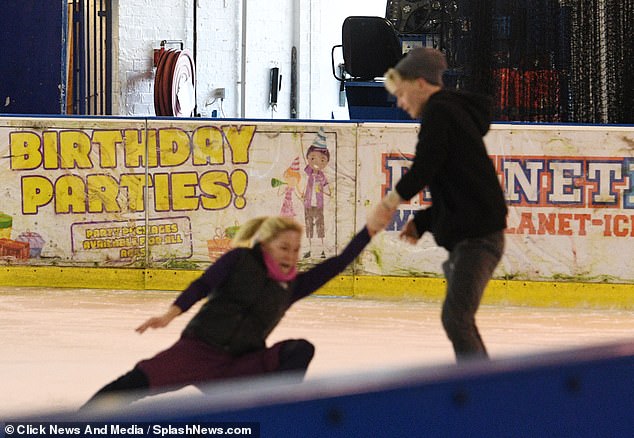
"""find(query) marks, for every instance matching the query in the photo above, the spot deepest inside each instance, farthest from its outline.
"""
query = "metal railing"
(91, 57)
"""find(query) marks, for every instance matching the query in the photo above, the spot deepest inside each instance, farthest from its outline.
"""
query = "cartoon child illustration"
(317, 158)
(291, 180)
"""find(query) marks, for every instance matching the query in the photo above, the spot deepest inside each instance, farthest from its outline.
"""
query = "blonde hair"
(291, 173)
(264, 229)
(392, 80)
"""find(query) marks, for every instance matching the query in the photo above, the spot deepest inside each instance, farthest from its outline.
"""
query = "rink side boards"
(582, 393)
(504, 292)
(548, 261)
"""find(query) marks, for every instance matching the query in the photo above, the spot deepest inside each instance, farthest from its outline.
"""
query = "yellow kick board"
(503, 292)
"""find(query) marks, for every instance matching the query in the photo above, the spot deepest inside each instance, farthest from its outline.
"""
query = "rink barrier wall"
(148, 203)
(500, 292)
(572, 393)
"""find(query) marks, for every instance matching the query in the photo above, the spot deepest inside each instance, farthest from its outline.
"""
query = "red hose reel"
(174, 83)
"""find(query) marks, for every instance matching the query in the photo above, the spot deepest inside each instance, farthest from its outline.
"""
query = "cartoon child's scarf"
(313, 174)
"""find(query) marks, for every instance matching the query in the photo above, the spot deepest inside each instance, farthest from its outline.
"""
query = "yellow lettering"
(107, 141)
(161, 192)
(37, 191)
(135, 185)
(215, 188)
(184, 191)
(75, 148)
(50, 150)
(25, 150)
(70, 195)
(134, 140)
(103, 191)
(174, 147)
(208, 142)
(239, 139)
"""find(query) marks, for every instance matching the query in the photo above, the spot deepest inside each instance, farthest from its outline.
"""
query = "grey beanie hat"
(423, 62)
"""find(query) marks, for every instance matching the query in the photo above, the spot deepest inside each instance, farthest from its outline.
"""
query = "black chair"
(370, 45)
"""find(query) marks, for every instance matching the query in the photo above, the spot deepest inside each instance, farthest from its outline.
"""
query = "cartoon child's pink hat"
(295, 164)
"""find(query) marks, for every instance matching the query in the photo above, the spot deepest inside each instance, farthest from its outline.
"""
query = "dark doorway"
(33, 64)
(90, 57)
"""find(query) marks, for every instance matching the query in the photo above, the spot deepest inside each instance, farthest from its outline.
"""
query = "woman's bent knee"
(296, 354)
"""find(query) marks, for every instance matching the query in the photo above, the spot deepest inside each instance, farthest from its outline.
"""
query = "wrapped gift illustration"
(14, 249)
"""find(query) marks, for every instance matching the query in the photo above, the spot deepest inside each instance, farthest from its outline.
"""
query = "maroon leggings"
(192, 362)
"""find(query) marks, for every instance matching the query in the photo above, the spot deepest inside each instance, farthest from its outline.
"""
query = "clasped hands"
(381, 215)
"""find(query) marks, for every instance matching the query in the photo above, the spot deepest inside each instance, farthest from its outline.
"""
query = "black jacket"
(244, 310)
(467, 199)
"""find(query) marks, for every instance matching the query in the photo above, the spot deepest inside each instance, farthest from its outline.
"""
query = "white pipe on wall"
(243, 61)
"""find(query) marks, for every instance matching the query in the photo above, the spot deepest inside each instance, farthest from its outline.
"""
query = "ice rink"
(60, 345)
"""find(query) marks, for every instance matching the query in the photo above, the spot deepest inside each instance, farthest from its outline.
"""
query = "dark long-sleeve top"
(451, 159)
(304, 284)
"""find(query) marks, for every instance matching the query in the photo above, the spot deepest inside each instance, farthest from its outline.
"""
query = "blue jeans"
(468, 270)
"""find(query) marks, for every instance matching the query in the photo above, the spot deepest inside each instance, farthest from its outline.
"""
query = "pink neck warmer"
(274, 270)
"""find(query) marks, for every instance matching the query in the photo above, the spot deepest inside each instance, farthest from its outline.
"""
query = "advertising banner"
(156, 193)
(161, 193)
(570, 193)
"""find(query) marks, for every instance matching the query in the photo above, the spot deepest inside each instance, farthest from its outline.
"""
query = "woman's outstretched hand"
(160, 321)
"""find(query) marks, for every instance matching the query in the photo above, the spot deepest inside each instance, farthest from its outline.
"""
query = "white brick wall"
(142, 24)
(273, 27)
(269, 43)
(218, 55)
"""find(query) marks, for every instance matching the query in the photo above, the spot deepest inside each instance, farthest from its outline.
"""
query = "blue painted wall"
(33, 52)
